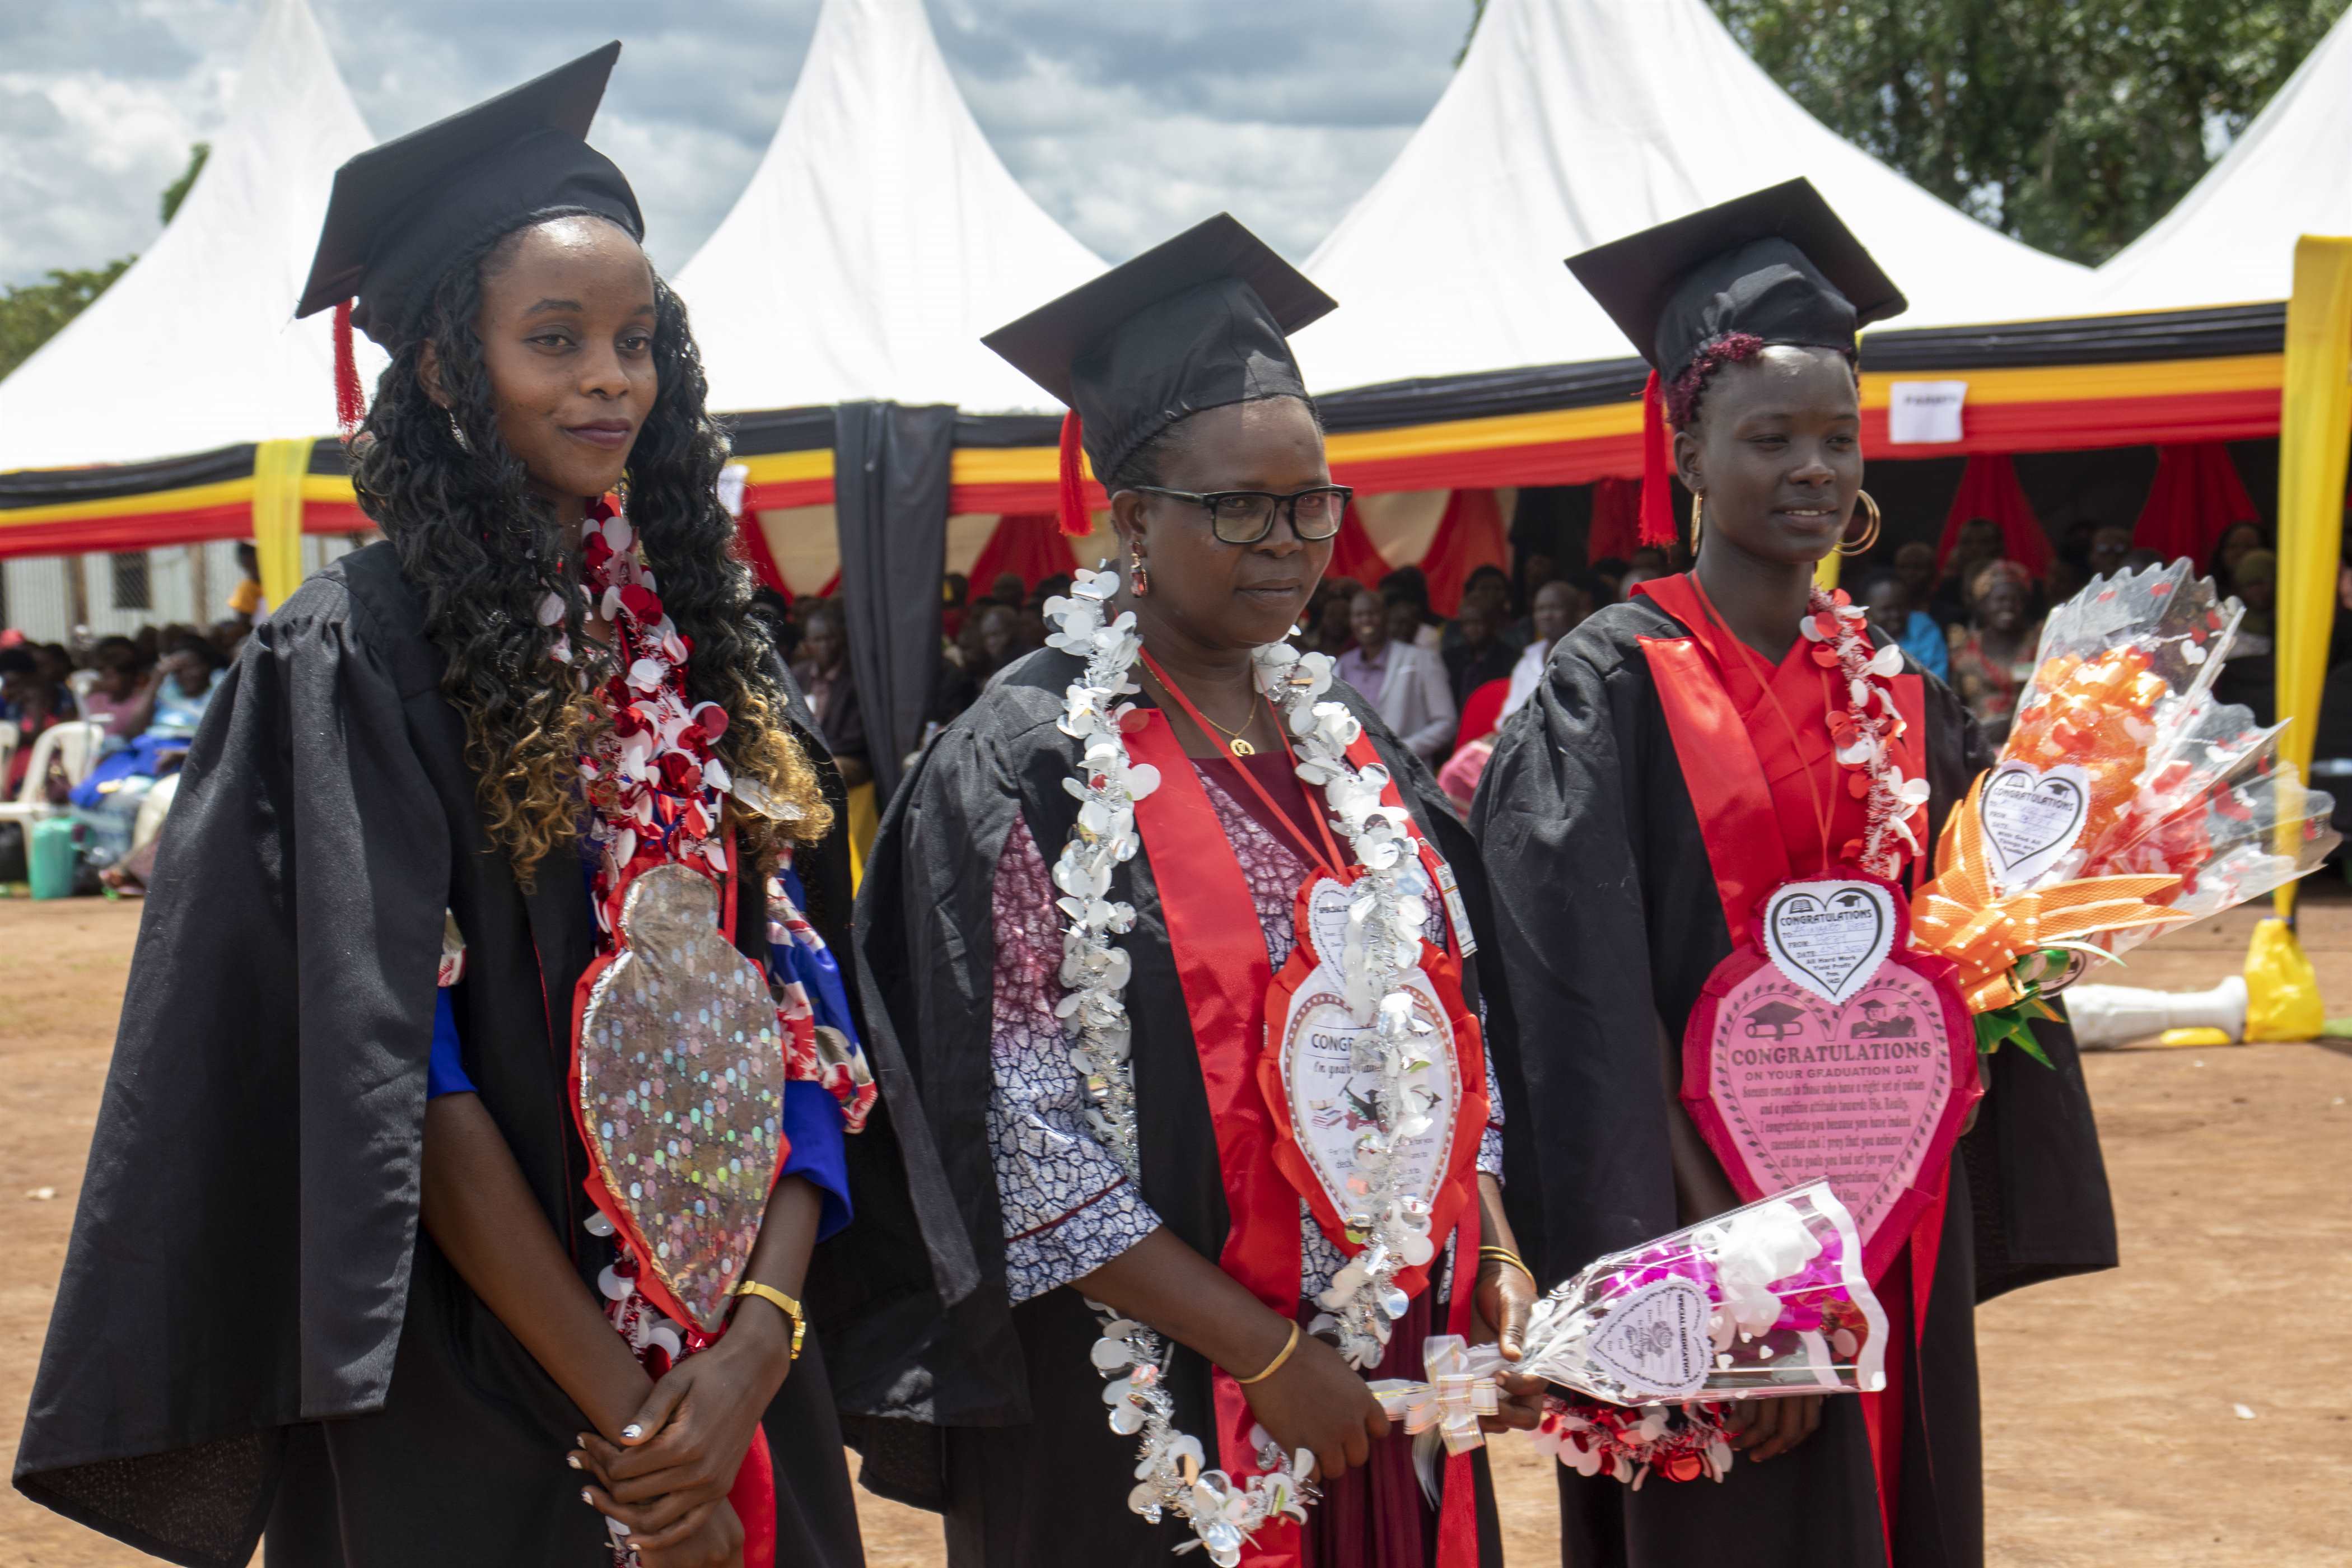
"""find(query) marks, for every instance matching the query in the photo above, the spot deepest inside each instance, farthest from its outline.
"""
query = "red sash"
(1222, 966)
(1732, 800)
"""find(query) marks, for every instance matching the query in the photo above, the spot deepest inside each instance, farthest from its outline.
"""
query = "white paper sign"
(1655, 1341)
(1924, 410)
(1333, 1105)
(1829, 937)
(2031, 818)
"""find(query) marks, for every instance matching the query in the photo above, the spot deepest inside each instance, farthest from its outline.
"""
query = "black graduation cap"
(401, 213)
(1197, 322)
(1777, 263)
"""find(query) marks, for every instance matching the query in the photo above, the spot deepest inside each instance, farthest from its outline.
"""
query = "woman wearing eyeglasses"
(1113, 907)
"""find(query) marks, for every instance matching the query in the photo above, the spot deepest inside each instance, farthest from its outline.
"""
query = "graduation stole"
(1822, 1046)
(1387, 1016)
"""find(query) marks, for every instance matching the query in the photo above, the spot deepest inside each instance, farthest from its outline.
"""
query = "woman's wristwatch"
(782, 1303)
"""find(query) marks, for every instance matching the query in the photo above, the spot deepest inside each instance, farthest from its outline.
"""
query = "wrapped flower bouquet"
(2128, 801)
(1765, 1301)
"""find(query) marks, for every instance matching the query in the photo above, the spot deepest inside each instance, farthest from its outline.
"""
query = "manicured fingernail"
(573, 1460)
(629, 1433)
(587, 1496)
(579, 1439)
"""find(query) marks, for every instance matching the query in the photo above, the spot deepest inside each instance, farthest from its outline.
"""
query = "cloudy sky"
(1125, 120)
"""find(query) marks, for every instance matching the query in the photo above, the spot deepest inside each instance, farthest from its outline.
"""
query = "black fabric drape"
(996, 1415)
(890, 473)
(1608, 924)
(250, 1314)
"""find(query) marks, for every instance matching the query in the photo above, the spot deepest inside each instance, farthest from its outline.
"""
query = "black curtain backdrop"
(890, 470)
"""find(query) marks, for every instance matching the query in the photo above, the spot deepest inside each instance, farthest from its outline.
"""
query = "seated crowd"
(1445, 683)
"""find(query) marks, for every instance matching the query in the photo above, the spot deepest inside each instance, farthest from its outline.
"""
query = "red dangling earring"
(1137, 575)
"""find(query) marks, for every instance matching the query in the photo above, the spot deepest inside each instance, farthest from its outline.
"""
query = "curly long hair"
(486, 553)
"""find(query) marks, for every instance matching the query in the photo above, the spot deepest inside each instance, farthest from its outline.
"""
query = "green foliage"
(33, 314)
(177, 191)
(1477, 14)
(2071, 124)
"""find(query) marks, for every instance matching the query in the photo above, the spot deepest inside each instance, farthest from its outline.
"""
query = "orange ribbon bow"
(1963, 916)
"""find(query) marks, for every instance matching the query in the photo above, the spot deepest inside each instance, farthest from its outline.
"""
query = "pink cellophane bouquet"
(1764, 1302)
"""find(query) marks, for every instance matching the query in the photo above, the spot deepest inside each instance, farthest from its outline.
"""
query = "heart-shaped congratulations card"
(1823, 1048)
(2031, 817)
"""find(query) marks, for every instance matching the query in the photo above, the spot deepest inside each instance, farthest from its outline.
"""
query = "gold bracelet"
(781, 1302)
(1505, 1255)
(1276, 1364)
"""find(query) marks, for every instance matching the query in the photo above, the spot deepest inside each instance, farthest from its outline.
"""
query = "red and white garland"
(655, 781)
(1864, 735)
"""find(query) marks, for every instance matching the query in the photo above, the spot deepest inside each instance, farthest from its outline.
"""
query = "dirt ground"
(2190, 1408)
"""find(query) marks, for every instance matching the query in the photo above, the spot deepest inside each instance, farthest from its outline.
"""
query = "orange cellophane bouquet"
(2155, 805)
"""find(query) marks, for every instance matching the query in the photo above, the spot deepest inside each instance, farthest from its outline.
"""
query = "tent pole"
(2315, 416)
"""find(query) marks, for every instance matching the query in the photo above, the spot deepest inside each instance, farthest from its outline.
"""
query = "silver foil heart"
(682, 1088)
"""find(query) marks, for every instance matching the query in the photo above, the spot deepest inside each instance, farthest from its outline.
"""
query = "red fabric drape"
(1470, 535)
(756, 553)
(1989, 488)
(1616, 529)
(1029, 543)
(1354, 556)
(2196, 497)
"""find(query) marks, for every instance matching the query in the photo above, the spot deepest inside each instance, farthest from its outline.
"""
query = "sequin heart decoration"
(681, 1089)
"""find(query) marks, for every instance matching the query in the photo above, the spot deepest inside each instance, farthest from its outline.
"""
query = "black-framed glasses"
(1244, 517)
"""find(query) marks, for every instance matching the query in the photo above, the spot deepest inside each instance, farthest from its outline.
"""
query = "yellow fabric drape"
(2315, 424)
(278, 470)
(863, 819)
(1825, 571)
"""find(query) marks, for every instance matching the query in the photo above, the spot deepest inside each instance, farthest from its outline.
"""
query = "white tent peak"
(2230, 240)
(879, 237)
(1573, 123)
(195, 346)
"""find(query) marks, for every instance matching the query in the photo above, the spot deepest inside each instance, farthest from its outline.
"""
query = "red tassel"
(1658, 470)
(350, 403)
(1077, 521)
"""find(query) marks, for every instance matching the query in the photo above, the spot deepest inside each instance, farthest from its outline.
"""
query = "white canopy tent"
(195, 346)
(1572, 122)
(879, 237)
(2230, 240)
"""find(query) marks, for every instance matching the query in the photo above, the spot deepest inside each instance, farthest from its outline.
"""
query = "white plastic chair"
(70, 747)
(7, 746)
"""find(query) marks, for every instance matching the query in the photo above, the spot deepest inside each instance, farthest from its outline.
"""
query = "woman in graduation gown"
(346, 1263)
(1164, 1178)
(1687, 752)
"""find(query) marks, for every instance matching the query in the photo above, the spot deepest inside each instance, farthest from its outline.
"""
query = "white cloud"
(1126, 122)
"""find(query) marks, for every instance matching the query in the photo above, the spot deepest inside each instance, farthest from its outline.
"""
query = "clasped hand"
(667, 1478)
(1315, 1401)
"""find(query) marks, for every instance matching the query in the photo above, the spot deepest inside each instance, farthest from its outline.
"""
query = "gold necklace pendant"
(1241, 748)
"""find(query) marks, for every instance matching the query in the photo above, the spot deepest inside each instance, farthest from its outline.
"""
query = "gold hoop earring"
(1869, 535)
(1698, 518)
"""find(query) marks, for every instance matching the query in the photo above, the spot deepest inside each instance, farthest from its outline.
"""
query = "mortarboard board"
(1776, 264)
(402, 213)
(1197, 322)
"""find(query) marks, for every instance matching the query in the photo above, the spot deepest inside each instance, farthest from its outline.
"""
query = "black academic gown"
(1608, 923)
(1000, 1423)
(251, 1318)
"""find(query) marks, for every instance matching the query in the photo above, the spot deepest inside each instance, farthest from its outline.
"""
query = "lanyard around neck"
(1328, 860)
(1824, 809)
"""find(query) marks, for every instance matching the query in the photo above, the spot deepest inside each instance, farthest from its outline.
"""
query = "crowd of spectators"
(1444, 684)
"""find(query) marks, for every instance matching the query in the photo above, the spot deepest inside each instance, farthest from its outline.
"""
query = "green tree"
(2071, 124)
(33, 314)
(177, 191)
